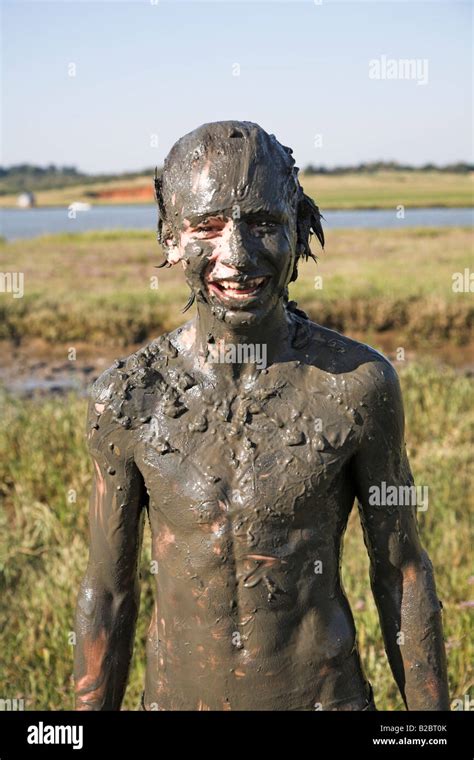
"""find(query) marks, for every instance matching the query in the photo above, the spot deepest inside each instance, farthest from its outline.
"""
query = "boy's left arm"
(401, 573)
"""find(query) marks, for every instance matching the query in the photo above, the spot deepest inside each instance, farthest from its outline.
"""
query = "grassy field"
(97, 287)
(382, 189)
(45, 481)
(94, 289)
(387, 189)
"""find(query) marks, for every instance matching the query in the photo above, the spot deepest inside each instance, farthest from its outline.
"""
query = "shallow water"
(27, 223)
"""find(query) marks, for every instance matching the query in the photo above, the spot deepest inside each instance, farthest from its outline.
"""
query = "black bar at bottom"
(108, 734)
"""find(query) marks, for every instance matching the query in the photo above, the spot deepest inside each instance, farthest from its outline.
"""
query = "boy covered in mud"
(248, 470)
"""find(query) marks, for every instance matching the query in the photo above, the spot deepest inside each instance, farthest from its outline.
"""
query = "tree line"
(29, 177)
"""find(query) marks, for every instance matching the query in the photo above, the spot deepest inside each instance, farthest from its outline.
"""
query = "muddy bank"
(40, 368)
(418, 321)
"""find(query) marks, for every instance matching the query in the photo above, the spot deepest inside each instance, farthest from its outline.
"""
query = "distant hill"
(22, 177)
(378, 166)
(28, 177)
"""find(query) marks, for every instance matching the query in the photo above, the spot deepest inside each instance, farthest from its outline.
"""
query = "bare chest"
(266, 456)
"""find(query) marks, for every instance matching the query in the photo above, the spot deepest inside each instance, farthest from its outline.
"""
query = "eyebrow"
(194, 221)
(275, 216)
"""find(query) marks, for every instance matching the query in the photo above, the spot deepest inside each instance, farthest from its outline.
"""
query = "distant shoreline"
(356, 191)
(327, 206)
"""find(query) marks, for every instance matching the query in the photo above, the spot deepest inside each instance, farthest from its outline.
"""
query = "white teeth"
(239, 291)
(249, 285)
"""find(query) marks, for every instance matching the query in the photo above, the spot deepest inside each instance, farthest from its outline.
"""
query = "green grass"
(380, 189)
(386, 189)
(95, 287)
(45, 480)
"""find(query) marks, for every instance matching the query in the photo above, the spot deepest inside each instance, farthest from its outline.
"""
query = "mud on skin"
(248, 475)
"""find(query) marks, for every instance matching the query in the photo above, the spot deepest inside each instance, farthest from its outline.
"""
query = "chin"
(243, 318)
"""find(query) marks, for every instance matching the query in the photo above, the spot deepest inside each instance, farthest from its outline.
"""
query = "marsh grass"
(45, 478)
(98, 287)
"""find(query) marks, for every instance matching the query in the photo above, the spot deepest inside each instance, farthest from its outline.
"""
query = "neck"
(269, 340)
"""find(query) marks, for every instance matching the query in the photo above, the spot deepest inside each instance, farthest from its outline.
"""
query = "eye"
(208, 229)
(263, 226)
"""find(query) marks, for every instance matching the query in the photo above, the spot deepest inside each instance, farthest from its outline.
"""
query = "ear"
(158, 192)
(157, 185)
(165, 233)
(308, 222)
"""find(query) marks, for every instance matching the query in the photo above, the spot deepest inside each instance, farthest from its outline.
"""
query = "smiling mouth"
(237, 290)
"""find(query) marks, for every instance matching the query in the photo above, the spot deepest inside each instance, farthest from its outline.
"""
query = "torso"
(249, 496)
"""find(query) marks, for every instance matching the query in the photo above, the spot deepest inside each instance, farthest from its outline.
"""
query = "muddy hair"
(308, 216)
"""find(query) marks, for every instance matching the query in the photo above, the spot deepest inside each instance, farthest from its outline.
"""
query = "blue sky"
(146, 70)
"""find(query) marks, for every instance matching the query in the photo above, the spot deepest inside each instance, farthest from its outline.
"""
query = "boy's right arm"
(108, 602)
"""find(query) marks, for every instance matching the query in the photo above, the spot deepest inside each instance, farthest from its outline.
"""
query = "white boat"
(79, 206)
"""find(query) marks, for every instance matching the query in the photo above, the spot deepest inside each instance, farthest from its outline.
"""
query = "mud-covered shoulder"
(342, 354)
(124, 394)
(117, 383)
(367, 378)
(375, 390)
(127, 394)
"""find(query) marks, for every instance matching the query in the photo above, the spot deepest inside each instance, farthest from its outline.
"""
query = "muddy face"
(238, 267)
(233, 222)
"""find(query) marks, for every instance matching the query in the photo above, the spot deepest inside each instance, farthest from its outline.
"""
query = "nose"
(240, 253)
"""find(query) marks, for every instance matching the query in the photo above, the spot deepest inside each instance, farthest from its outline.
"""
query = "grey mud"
(247, 474)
